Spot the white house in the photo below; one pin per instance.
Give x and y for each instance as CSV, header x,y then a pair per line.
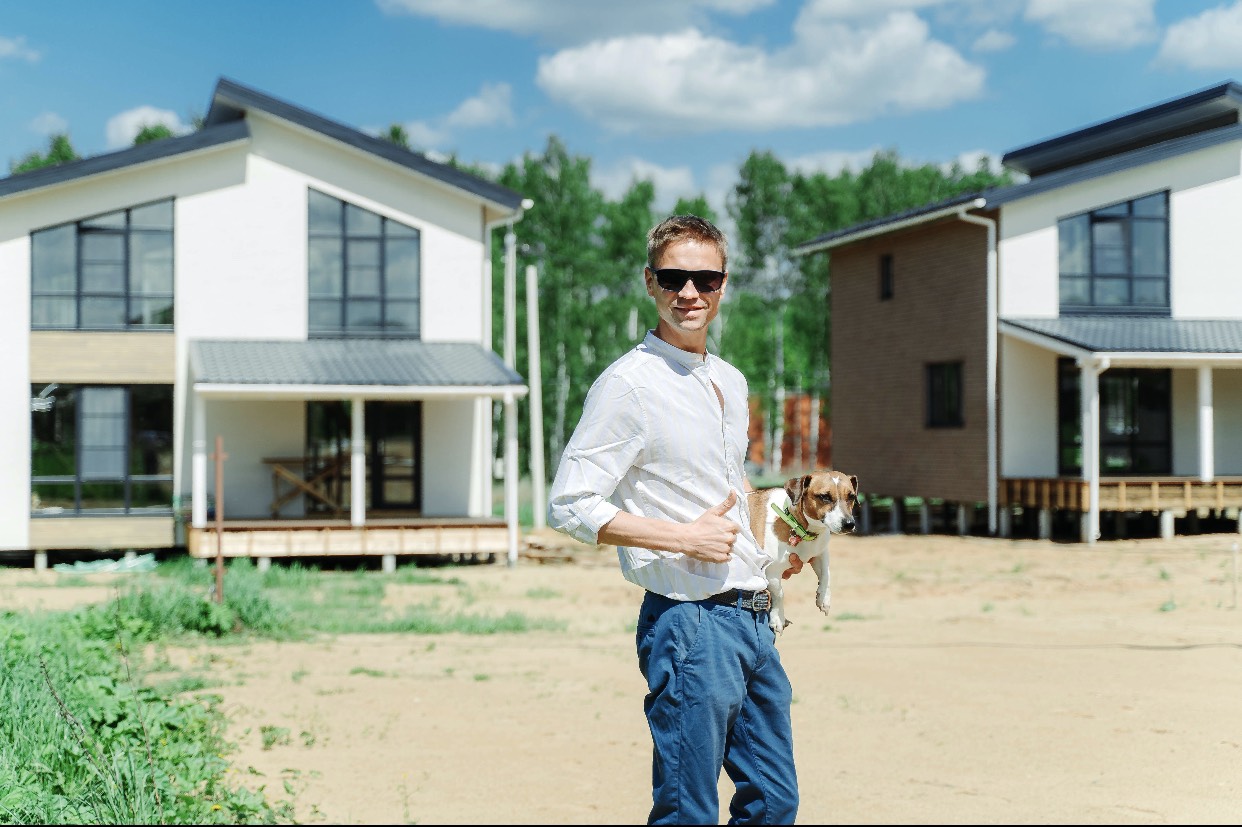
x,y
1059,348
316,299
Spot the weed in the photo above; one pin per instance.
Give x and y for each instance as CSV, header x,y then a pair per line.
x,y
1168,605
542,593
362,670
274,736
480,676
986,607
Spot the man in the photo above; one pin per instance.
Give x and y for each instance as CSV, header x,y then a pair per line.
x,y
655,468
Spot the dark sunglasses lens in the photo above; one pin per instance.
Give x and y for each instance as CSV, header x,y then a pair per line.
x,y
705,281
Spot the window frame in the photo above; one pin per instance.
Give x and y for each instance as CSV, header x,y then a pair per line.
x,y
1143,381
1097,280
944,396
127,479
886,276
131,298
385,302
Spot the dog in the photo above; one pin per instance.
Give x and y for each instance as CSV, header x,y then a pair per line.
x,y
800,518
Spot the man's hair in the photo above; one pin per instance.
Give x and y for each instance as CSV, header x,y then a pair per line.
x,y
685,228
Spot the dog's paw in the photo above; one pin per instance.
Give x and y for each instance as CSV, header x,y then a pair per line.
x,y
823,601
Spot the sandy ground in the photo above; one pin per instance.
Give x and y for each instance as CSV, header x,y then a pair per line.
x,y
957,681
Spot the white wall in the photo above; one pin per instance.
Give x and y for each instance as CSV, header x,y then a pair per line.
x,y
1205,210
1185,404
15,393
448,459
1227,419
252,430
1028,411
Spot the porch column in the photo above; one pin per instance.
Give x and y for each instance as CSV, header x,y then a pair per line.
x,y
198,466
1091,370
357,463
1207,467
511,475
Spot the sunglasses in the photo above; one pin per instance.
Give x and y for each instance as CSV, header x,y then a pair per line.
x,y
705,281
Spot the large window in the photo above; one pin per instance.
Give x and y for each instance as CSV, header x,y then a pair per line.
x,y
109,272
944,395
363,271
101,449
1116,259
1135,421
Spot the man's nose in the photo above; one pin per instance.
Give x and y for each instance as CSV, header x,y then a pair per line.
x,y
688,290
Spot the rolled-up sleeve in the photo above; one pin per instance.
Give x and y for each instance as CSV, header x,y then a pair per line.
x,y
604,445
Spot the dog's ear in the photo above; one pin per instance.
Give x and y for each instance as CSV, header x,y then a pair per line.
x,y
854,483
796,486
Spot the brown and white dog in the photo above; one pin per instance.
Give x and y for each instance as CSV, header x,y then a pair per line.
x,y
820,504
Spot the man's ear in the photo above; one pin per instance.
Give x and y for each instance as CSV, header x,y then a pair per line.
x,y
649,282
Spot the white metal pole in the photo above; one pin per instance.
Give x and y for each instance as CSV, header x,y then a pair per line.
x,y
357,464
510,297
1207,464
511,475
537,486
198,469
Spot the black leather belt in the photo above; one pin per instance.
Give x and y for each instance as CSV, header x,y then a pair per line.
x,y
754,601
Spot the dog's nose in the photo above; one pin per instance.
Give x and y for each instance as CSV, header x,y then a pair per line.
x,y
848,525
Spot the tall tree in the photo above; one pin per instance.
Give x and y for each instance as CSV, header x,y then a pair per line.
x,y
59,151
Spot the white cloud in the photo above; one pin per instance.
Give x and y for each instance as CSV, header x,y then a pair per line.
x,y
123,128
492,106
569,21
969,161
670,183
993,40
16,48
832,162
858,9
49,123
1096,24
831,74
1211,40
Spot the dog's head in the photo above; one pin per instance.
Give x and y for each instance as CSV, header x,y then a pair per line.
x,y
824,500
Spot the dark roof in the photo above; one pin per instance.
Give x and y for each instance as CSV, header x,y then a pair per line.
x,y
892,219
370,362
231,101
1206,109
110,161
1139,334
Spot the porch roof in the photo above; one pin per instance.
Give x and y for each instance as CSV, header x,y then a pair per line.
x,y
1134,339
334,368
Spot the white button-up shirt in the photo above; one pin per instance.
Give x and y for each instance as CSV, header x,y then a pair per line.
x,y
655,441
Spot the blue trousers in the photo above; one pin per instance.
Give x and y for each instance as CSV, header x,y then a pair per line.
x,y
718,698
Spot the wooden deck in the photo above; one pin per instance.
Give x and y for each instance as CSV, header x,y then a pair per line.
x,y
1124,493
332,537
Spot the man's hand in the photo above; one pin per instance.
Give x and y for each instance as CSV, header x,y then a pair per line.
x,y
710,538
795,566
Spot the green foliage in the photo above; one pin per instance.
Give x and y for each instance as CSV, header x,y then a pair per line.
x,y
59,151
397,134
152,132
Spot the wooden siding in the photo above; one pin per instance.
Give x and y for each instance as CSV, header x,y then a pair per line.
x,y
101,533
76,357
880,349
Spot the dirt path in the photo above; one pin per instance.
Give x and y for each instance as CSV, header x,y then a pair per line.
x,y
958,680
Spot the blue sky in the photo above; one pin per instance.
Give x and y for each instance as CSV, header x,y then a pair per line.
x,y
678,92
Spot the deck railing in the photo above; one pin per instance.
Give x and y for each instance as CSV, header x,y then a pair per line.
x,y
1124,493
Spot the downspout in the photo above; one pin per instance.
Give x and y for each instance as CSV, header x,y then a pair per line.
x,y
991,302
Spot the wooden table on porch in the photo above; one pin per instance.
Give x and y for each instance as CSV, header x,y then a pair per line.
x,y
296,484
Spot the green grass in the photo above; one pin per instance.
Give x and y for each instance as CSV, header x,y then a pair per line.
x,y
96,732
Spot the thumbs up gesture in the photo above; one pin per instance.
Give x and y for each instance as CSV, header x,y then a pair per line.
x,y
710,538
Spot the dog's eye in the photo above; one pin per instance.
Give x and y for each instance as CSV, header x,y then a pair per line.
x,y
824,498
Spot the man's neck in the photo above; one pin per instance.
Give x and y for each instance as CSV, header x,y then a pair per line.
x,y
693,343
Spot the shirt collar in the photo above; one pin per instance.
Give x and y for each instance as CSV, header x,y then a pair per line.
x,y
674,354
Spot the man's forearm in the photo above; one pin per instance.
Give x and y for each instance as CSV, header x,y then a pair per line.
x,y
628,529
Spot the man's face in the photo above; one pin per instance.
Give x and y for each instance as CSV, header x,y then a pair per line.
x,y
685,313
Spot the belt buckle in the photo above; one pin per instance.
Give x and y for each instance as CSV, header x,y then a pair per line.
x,y
762,601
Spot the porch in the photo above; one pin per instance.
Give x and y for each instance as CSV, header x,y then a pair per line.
x,y
1169,497
386,537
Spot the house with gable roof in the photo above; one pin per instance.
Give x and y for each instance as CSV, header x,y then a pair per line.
x,y
1061,356
311,299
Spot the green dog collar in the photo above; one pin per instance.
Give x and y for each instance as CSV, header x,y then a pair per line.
x,y
798,530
